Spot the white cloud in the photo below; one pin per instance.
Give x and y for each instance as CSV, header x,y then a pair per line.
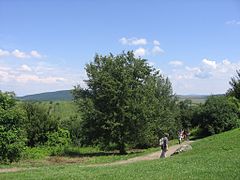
x,y
151,63
209,63
4,53
223,69
197,72
25,78
26,68
123,41
210,77
156,43
20,54
226,62
203,75
26,74
142,41
133,41
176,63
200,86
157,50
39,77
35,54
233,22
4,75
140,52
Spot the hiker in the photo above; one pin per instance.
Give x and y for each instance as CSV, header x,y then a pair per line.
x,y
187,134
180,136
164,145
184,135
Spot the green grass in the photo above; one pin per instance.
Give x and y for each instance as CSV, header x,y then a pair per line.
x,y
215,157
41,156
61,109
196,100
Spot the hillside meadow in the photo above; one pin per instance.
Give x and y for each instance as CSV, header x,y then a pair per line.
x,y
215,157
61,109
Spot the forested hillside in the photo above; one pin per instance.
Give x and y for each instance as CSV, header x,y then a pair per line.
x,y
64,95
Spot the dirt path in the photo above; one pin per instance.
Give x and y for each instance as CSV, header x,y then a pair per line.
x,y
152,156
4,170
147,157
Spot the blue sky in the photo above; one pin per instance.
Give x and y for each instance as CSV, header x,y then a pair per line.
x,y
44,45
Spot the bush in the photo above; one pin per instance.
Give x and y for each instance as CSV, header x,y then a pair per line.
x,y
12,139
59,138
219,114
36,152
73,125
38,124
41,152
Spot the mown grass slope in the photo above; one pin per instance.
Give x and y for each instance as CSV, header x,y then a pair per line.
x,y
215,157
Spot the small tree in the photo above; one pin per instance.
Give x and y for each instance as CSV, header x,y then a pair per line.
x,y
12,139
60,138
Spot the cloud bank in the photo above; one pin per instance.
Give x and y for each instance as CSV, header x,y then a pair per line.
x,y
210,76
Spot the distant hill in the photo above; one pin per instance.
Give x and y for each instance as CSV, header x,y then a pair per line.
x,y
64,95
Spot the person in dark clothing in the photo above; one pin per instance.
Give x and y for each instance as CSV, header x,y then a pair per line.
x,y
164,145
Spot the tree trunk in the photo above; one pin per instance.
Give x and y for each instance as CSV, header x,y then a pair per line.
x,y
122,149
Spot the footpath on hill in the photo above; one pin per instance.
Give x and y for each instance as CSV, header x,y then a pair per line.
x,y
151,156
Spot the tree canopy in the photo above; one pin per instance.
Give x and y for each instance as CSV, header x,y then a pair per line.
x,y
235,86
125,100
219,114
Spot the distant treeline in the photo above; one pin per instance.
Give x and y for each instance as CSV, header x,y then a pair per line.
x,y
64,95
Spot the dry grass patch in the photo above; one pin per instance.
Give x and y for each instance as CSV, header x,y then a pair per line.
x,y
65,160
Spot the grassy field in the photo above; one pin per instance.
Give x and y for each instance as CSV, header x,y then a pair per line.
x,y
215,157
195,100
61,109
42,156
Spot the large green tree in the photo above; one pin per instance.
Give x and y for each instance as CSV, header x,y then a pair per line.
x,y
120,104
